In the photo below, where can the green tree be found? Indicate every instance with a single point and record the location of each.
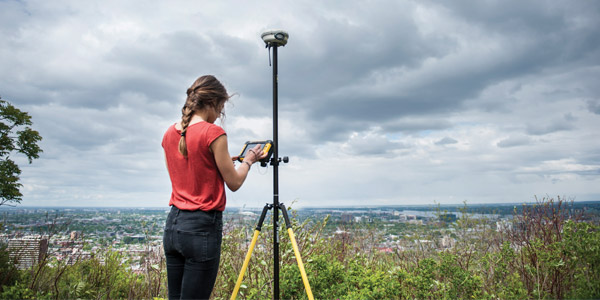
(16, 136)
(8, 269)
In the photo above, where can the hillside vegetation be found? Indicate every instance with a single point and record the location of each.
(547, 252)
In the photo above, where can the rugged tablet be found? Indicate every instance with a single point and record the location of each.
(265, 146)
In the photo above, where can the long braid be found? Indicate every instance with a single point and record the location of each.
(186, 117)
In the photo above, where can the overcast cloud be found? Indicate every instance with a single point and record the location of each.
(380, 102)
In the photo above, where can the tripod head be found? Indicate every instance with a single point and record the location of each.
(275, 38)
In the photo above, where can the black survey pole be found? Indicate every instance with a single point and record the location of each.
(274, 39)
(275, 161)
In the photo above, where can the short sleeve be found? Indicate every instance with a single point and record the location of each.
(213, 132)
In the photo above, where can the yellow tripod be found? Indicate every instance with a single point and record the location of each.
(253, 243)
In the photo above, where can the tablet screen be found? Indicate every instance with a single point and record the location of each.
(251, 146)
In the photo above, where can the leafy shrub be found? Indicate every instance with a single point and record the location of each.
(8, 270)
(501, 281)
(581, 244)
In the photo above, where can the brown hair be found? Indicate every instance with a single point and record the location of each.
(205, 92)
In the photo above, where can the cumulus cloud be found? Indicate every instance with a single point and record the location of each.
(514, 141)
(368, 95)
(594, 106)
(371, 144)
(565, 123)
(446, 141)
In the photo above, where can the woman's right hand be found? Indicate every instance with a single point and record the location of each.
(255, 154)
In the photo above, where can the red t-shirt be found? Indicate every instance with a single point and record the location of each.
(196, 180)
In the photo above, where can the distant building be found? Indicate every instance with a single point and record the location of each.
(248, 214)
(504, 226)
(450, 218)
(415, 222)
(424, 243)
(385, 249)
(342, 234)
(75, 235)
(28, 251)
(347, 218)
(98, 219)
(447, 242)
(138, 237)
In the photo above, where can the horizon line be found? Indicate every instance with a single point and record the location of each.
(303, 207)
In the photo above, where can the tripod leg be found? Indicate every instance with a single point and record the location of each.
(297, 253)
(245, 265)
(249, 254)
(300, 264)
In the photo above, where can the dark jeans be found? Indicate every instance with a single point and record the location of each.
(192, 242)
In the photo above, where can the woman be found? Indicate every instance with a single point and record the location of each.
(199, 166)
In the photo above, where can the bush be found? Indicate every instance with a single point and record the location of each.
(581, 244)
(8, 270)
(94, 278)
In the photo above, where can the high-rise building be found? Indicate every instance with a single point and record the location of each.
(27, 251)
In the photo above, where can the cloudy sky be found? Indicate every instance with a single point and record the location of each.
(380, 102)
